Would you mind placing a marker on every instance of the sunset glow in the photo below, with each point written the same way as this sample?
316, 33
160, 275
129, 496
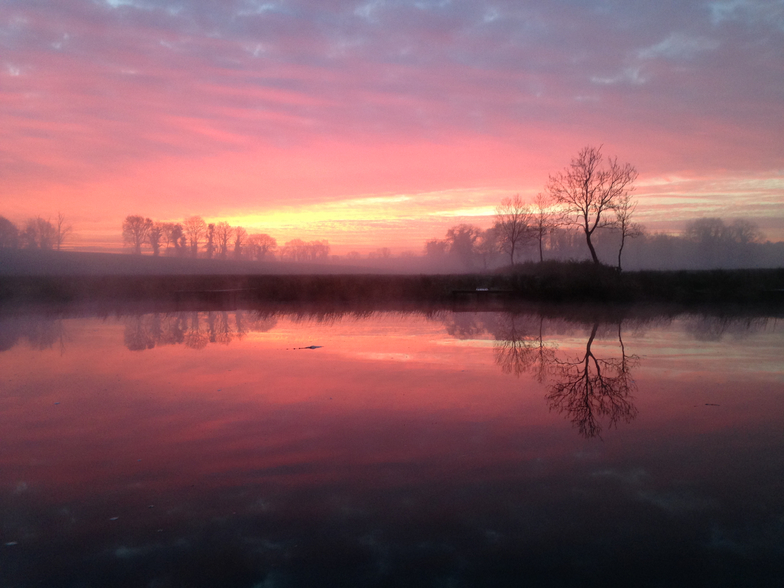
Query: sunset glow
382, 123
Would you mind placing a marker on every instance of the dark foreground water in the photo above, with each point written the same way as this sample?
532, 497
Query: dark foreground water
484, 449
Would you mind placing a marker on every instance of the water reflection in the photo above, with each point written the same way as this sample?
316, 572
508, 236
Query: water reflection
590, 388
381, 458
39, 331
520, 347
194, 329
586, 387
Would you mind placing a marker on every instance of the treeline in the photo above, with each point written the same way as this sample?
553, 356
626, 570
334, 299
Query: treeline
195, 237
37, 233
587, 211
706, 243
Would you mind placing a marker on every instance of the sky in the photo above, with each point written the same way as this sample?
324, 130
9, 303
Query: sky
382, 122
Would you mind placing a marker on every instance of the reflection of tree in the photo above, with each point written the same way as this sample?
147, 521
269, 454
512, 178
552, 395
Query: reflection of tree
195, 338
520, 347
41, 332
589, 388
196, 330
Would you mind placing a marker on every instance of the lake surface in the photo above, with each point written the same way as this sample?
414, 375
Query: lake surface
445, 449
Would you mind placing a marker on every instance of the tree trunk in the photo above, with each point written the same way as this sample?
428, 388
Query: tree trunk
590, 246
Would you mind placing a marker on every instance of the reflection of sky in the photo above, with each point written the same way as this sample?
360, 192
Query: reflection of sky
341, 449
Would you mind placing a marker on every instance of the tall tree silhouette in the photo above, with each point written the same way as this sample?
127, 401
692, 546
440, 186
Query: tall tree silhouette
514, 225
589, 189
135, 229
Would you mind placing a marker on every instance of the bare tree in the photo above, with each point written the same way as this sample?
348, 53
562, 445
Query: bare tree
319, 250
240, 235
61, 230
543, 221
154, 237
261, 245
588, 190
744, 232
135, 229
514, 225
195, 229
9, 234
210, 250
223, 234
624, 211
295, 250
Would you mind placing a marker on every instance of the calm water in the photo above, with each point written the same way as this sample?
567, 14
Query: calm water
451, 449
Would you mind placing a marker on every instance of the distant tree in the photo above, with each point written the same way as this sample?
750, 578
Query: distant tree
513, 225
543, 221
195, 229
261, 245
461, 240
380, 253
745, 232
240, 235
436, 248
353, 255
178, 239
135, 230
154, 237
588, 190
294, 250
38, 234
168, 235
721, 245
319, 250
223, 236
9, 234
624, 211
210, 250
487, 245
62, 230
706, 231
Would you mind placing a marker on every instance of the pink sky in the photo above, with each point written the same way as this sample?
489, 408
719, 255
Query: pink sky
382, 123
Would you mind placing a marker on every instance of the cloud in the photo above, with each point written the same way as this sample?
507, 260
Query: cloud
678, 46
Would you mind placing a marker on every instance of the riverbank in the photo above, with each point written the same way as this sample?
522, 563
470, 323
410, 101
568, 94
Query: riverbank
548, 283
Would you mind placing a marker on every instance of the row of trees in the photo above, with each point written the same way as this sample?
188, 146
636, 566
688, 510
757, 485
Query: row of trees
194, 237
590, 194
37, 233
592, 197
704, 243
